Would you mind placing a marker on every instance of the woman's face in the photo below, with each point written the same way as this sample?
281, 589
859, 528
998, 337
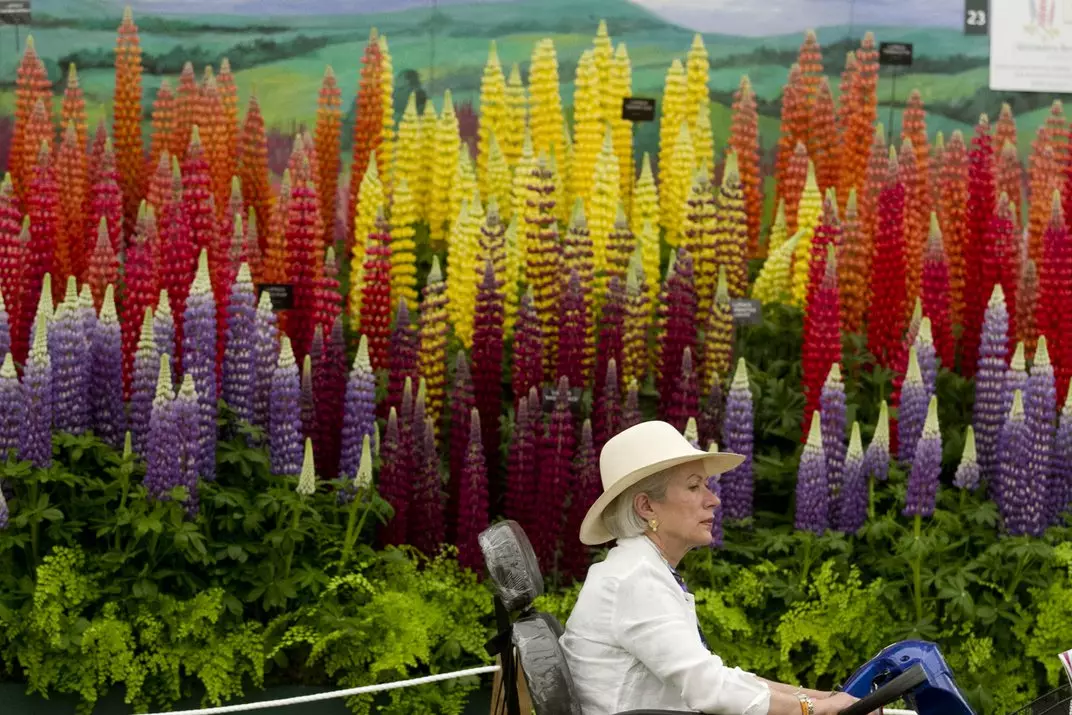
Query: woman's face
687, 513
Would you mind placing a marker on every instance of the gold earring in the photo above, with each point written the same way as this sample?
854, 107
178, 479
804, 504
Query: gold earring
654, 525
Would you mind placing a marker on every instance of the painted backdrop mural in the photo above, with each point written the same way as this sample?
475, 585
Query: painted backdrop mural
280, 49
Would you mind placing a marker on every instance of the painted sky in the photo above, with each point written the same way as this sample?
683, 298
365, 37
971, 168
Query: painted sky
775, 17
734, 17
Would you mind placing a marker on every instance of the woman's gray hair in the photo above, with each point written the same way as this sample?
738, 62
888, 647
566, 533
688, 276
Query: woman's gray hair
621, 518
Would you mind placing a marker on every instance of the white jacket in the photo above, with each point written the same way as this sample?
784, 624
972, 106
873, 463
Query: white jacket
632, 642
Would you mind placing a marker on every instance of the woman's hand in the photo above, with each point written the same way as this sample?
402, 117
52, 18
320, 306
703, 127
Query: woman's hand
834, 704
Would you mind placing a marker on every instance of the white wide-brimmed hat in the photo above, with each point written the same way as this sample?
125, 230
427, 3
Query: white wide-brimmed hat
639, 452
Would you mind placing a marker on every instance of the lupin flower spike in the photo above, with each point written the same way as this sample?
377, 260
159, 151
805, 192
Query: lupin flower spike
967, 476
307, 478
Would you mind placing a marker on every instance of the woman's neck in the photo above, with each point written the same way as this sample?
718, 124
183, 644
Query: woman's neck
672, 554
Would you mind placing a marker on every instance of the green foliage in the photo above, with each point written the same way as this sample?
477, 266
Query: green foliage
102, 588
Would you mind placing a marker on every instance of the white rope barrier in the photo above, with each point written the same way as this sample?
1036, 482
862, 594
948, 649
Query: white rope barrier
364, 689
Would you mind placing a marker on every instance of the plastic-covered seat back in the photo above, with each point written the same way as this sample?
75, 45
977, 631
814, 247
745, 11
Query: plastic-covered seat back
511, 564
544, 664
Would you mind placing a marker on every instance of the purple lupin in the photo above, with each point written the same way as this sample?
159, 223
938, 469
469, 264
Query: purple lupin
967, 476
5, 328
69, 349
877, 457
106, 375
164, 329
13, 413
1062, 493
359, 411
199, 360
738, 434
188, 425
988, 416
926, 466
927, 355
143, 383
265, 357
813, 490
285, 427
912, 412
36, 443
1040, 410
238, 367
1022, 496
832, 420
163, 458
851, 511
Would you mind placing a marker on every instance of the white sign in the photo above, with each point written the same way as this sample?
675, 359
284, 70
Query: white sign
1031, 45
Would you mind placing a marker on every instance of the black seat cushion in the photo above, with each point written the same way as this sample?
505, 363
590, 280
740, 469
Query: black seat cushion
511, 564
544, 664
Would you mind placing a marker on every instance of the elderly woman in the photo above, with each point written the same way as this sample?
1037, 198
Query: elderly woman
633, 641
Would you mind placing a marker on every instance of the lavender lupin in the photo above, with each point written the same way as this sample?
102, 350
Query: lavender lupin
87, 310
199, 359
143, 383
13, 413
927, 355
912, 412
45, 309
832, 420
106, 375
1063, 457
285, 426
926, 466
1040, 407
359, 412
1022, 496
877, 457
5, 328
36, 443
967, 476
813, 490
238, 366
164, 329
990, 381
265, 357
1015, 377
189, 427
68, 347
738, 437
851, 511
163, 458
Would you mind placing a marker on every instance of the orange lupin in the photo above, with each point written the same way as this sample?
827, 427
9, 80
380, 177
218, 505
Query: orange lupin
952, 216
31, 86
71, 172
328, 132
164, 125
253, 167
1005, 128
859, 110
126, 124
794, 127
810, 60
214, 136
368, 125
225, 82
824, 145
73, 108
791, 186
744, 143
188, 107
